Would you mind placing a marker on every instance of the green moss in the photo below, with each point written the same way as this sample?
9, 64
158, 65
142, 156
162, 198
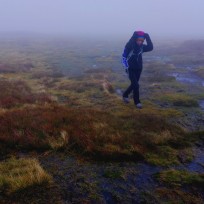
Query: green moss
165, 156
180, 177
195, 136
95, 196
179, 100
17, 174
113, 173
186, 103
199, 96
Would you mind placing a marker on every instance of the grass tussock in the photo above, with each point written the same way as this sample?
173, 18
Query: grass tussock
39, 74
17, 174
15, 68
17, 92
175, 195
163, 156
179, 100
180, 177
89, 132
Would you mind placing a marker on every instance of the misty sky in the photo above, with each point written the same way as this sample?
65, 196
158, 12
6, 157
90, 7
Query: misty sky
117, 18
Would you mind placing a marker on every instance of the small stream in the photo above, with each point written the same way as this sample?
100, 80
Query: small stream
197, 165
187, 78
202, 104
190, 79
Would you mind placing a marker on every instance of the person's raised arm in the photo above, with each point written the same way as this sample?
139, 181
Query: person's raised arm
149, 46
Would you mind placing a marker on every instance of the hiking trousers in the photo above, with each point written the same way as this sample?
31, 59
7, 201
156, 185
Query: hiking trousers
134, 76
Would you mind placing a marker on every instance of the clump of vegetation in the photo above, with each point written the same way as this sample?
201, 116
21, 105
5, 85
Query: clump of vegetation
46, 73
195, 136
166, 195
113, 174
180, 177
17, 92
164, 156
179, 100
186, 103
17, 174
79, 86
89, 132
161, 77
15, 68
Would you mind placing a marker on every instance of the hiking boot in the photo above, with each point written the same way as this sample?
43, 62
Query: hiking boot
139, 105
126, 99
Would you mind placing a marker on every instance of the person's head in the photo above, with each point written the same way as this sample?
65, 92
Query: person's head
140, 37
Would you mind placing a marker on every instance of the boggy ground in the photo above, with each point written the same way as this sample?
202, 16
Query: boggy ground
89, 147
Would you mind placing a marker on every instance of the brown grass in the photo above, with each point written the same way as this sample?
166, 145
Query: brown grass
17, 174
89, 131
11, 68
175, 195
17, 92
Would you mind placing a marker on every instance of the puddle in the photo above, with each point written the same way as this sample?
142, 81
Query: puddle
190, 79
186, 78
201, 103
197, 165
144, 180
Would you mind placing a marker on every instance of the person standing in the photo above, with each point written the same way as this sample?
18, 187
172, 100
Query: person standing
133, 64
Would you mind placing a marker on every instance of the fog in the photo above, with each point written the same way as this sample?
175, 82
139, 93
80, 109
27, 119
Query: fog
103, 18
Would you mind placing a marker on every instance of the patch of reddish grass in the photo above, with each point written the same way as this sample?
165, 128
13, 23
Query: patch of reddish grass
33, 127
88, 132
15, 93
9, 68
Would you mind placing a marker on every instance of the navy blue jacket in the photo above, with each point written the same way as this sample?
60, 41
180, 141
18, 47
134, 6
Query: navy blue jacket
133, 52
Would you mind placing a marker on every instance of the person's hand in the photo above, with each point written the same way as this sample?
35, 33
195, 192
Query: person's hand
125, 62
146, 35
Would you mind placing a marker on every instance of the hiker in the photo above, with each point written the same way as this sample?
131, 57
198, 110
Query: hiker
132, 62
